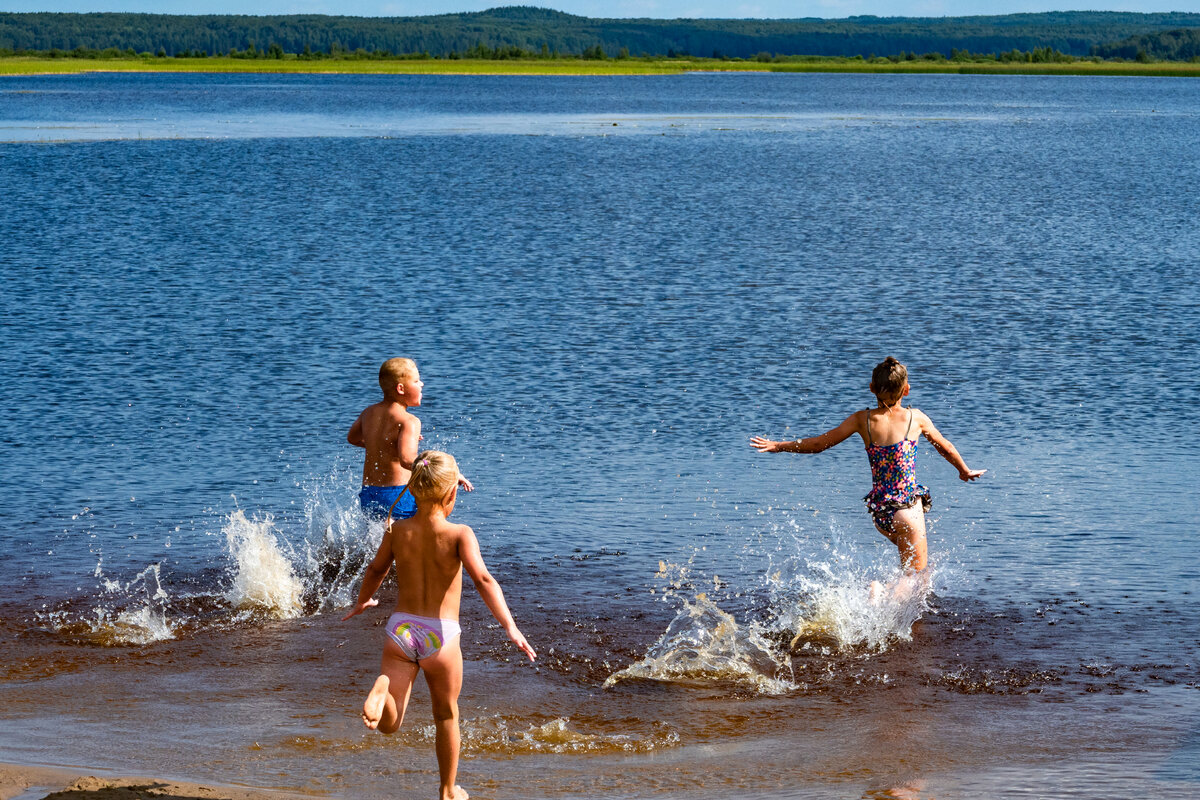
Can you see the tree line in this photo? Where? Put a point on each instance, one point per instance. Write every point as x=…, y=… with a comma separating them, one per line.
x=1176, y=45
x=527, y=32
x=1039, y=55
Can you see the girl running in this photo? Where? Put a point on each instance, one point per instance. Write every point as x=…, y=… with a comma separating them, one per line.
x=896, y=501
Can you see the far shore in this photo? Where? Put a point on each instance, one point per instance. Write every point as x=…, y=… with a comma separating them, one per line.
x=58, y=783
x=633, y=66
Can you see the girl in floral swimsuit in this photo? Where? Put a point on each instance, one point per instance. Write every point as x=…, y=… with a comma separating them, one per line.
x=896, y=501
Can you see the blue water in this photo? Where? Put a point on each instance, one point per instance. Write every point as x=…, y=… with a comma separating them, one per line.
x=609, y=285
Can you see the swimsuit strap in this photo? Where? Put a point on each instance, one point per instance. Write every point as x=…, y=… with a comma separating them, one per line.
x=910, y=419
x=870, y=438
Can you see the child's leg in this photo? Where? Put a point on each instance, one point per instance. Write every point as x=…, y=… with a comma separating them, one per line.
x=908, y=534
x=443, y=674
x=385, y=705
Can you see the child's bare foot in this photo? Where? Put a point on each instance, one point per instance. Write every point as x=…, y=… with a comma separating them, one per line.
x=457, y=793
x=376, y=701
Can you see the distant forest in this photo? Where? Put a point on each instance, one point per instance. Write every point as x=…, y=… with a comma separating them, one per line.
x=1180, y=45
x=1076, y=33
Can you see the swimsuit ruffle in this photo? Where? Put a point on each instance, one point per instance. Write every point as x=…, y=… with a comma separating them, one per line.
x=883, y=502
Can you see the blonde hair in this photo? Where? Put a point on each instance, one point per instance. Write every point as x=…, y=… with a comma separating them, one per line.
x=888, y=379
x=395, y=370
x=434, y=474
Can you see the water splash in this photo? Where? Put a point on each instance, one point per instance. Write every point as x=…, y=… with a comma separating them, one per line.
x=270, y=570
x=847, y=610
x=132, y=613
x=836, y=602
x=505, y=735
x=262, y=576
x=314, y=570
x=841, y=598
x=704, y=644
x=338, y=541
x=498, y=734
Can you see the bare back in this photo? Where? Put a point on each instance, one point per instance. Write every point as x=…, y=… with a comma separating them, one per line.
x=883, y=427
x=386, y=430
x=428, y=567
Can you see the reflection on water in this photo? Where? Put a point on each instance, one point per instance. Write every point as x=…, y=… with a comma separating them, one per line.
x=299, y=125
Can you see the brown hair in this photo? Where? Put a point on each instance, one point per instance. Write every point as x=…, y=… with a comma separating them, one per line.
x=395, y=370
x=434, y=474
x=888, y=379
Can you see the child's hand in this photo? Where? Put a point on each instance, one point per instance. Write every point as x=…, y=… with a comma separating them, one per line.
x=465, y=484
x=518, y=639
x=360, y=607
x=765, y=445
x=970, y=474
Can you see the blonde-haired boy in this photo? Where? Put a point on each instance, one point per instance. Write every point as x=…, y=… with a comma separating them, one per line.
x=390, y=434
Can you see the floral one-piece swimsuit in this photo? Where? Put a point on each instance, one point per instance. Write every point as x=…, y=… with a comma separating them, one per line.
x=894, y=478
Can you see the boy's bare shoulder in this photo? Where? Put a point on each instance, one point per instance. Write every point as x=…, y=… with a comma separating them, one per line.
x=388, y=412
x=375, y=410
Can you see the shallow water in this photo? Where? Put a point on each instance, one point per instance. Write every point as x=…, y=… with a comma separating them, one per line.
x=196, y=307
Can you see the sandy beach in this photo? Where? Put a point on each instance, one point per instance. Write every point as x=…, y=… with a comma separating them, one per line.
x=35, y=783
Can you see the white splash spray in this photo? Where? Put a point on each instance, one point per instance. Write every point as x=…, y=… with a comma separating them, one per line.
x=338, y=543
x=132, y=613
x=839, y=600
x=270, y=569
x=705, y=644
x=262, y=577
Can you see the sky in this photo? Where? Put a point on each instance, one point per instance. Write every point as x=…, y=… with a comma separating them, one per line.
x=771, y=9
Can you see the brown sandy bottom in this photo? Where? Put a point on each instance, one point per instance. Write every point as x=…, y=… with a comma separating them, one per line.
x=48, y=783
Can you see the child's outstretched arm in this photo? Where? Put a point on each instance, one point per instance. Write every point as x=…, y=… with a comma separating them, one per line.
x=373, y=577
x=489, y=590
x=948, y=451
x=815, y=444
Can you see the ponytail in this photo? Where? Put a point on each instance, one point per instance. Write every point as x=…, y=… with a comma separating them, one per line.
x=434, y=474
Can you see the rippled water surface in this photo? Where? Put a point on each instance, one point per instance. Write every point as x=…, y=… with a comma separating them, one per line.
x=609, y=284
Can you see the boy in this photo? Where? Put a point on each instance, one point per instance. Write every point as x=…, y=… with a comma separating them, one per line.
x=390, y=434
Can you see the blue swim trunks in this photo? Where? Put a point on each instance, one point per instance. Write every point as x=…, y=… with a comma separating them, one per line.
x=376, y=500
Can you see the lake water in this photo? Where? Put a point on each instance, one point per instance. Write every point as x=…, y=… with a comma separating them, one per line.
x=610, y=284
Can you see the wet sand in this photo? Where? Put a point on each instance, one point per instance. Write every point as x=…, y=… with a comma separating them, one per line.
x=34, y=783
x=962, y=709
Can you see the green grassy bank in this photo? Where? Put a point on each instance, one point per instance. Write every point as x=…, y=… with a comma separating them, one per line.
x=632, y=66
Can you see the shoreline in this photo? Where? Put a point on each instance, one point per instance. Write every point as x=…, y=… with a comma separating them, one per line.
x=36, y=782
x=17, y=66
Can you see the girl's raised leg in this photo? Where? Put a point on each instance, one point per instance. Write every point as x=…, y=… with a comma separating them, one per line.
x=388, y=700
